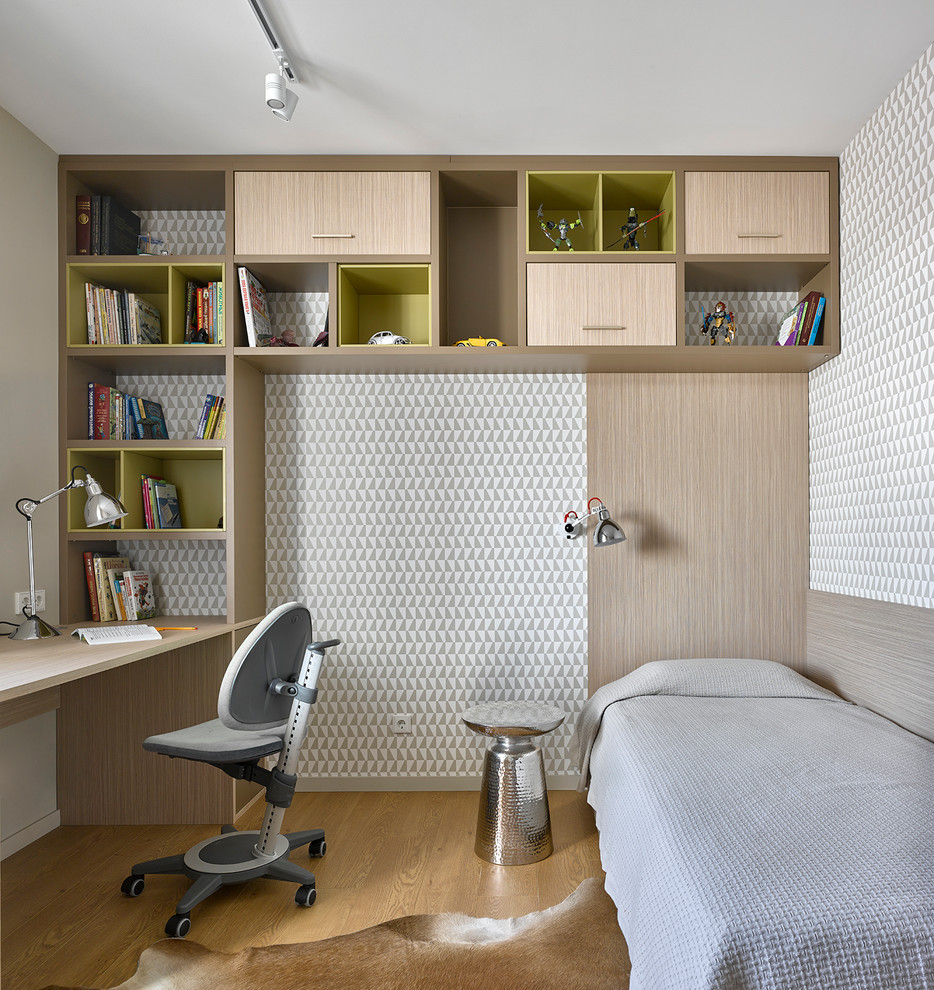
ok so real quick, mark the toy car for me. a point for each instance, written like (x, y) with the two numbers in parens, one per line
(480, 342)
(388, 337)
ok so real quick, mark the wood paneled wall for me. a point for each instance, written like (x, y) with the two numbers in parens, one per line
(878, 654)
(707, 475)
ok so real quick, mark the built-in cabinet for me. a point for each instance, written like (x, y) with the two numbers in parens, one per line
(593, 305)
(436, 249)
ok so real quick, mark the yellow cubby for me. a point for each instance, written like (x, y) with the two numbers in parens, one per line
(649, 193)
(562, 195)
(197, 473)
(383, 297)
(159, 283)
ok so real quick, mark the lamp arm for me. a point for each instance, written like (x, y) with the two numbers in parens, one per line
(27, 506)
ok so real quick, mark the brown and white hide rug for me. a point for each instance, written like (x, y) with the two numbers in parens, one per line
(576, 944)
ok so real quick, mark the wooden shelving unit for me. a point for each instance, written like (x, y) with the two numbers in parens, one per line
(454, 240)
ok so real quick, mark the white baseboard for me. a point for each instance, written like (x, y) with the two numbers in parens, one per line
(22, 838)
(556, 782)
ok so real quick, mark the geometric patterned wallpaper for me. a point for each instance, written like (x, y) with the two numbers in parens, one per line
(757, 315)
(872, 408)
(418, 516)
(186, 231)
(303, 312)
(194, 588)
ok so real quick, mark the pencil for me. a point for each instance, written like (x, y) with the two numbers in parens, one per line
(173, 628)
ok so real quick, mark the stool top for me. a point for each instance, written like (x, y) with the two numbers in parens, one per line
(513, 718)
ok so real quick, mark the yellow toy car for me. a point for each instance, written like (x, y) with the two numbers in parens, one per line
(480, 342)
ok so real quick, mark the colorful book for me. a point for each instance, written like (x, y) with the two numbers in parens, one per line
(104, 592)
(114, 578)
(203, 421)
(804, 331)
(149, 322)
(255, 308)
(168, 515)
(815, 326)
(91, 580)
(150, 424)
(791, 323)
(139, 594)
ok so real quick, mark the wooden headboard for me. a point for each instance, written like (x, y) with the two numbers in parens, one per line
(878, 654)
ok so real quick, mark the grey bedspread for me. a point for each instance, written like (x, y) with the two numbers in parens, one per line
(759, 832)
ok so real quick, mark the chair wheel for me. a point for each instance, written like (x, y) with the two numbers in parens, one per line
(178, 926)
(133, 886)
(317, 848)
(305, 895)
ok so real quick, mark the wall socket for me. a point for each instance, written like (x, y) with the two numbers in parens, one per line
(401, 724)
(21, 601)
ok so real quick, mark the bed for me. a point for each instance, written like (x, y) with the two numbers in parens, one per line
(758, 832)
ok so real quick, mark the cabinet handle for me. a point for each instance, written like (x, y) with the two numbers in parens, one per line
(334, 235)
(758, 235)
(603, 328)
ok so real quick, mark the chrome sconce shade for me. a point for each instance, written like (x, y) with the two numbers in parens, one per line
(99, 510)
(607, 532)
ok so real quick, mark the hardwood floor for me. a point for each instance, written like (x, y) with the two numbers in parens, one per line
(65, 921)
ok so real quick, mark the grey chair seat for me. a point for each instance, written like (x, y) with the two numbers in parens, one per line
(214, 742)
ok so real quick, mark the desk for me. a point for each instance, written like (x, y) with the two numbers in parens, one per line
(109, 698)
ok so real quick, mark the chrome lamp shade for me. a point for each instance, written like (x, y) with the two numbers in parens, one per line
(99, 510)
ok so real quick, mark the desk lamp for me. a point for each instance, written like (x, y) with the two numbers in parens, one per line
(99, 510)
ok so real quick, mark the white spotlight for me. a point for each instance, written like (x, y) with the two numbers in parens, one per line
(285, 112)
(276, 91)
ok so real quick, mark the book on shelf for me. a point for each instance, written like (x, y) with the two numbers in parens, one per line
(91, 581)
(83, 224)
(105, 598)
(210, 426)
(812, 299)
(105, 635)
(115, 580)
(150, 421)
(120, 228)
(168, 514)
(140, 598)
(255, 308)
(116, 316)
(95, 223)
(204, 306)
(791, 324)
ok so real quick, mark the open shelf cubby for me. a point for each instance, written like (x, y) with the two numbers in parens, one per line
(163, 285)
(373, 298)
(197, 473)
(602, 200)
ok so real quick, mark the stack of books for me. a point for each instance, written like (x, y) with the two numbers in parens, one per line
(160, 503)
(213, 422)
(115, 590)
(115, 415)
(801, 324)
(204, 313)
(105, 226)
(116, 316)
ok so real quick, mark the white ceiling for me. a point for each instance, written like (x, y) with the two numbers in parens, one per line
(796, 77)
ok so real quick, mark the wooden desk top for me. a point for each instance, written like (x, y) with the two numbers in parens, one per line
(34, 665)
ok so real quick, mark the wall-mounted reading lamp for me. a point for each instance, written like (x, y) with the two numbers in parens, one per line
(99, 510)
(607, 532)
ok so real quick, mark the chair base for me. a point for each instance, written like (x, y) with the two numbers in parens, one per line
(230, 858)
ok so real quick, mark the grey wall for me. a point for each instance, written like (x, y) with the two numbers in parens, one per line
(872, 408)
(28, 436)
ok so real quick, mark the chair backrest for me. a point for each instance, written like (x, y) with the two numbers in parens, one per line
(275, 648)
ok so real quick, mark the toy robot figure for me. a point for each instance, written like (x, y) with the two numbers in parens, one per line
(562, 226)
(719, 322)
(632, 228)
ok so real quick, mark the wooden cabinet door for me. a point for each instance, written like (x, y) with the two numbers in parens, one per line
(757, 212)
(332, 213)
(574, 305)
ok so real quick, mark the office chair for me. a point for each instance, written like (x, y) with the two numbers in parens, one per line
(263, 707)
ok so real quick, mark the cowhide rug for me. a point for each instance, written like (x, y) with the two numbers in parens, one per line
(576, 944)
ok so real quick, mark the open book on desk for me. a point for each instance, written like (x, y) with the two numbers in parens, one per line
(101, 635)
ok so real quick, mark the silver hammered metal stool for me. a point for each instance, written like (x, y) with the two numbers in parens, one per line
(513, 823)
